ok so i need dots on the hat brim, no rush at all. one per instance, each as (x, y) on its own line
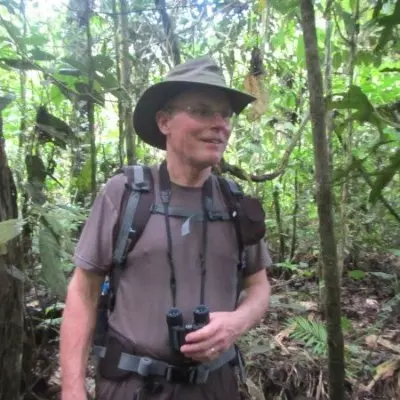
(155, 97)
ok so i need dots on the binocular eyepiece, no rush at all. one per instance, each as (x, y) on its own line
(177, 330)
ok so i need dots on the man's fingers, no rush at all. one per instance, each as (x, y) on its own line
(200, 335)
(198, 347)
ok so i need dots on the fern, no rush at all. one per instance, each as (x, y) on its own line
(311, 333)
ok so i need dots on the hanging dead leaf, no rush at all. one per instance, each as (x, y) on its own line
(254, 85)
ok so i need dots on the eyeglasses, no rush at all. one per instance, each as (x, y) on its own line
(202, 111)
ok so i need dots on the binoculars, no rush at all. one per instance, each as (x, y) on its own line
(177, 330)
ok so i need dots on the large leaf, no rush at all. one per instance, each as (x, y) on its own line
(50, 255)
(41, 55)
(388, 22)
(11, 5)
(102, 63)
(24, 65)
(385, 177)
(5, 101)
(9, 229)
(355, 98)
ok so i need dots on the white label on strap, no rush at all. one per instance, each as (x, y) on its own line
(185, 229)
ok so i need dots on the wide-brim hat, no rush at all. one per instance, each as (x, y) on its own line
(202, 72)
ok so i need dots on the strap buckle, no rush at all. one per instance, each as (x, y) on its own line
(192, 375)
(215, 215)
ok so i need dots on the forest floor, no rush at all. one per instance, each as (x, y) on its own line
(286, 353)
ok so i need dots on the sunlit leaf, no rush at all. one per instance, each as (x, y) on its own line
(11, 5)
(356, 274)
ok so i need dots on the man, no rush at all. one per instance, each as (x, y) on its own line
(175, 263)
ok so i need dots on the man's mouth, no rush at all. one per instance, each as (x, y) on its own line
(212, 140)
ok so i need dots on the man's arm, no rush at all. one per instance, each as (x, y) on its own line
(77, 327)
(254, 303)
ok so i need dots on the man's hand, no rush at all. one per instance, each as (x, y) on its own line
(217, 336)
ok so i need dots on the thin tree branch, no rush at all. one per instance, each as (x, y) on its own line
(169, 33)
(239, 173)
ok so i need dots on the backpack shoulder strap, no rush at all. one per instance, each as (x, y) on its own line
(135, 210)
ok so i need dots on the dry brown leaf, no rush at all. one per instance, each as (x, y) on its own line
(385, 370)
(284, 334)
(254, 391)
(372, 341)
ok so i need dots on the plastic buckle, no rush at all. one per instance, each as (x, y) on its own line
(141, 186)
(199, 374)
(215, 216)
(175, 374)
(144, 366)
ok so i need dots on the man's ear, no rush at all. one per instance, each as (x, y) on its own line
(162, 119)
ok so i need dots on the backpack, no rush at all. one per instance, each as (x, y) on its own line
(138, 204)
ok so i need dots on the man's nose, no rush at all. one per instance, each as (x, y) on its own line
(221, 121)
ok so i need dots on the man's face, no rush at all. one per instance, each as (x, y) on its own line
(197, 126)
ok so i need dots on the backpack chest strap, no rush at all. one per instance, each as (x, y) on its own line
(180, 212)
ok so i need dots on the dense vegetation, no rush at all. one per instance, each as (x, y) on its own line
(70, 75)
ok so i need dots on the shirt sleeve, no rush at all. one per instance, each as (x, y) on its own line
(257, 257)
(95, 246)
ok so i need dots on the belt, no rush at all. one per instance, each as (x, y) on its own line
(147, 366)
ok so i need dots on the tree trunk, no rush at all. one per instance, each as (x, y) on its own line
(126, 69)
(91, 133)
(121, 136)
(295, 211)
(172, 40)
(275, 195)
(336, 365)
(344, 241)
(11, 290)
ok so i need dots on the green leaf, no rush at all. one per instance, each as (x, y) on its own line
(337, 59)
(390, 70)
(41, 55)
(9, 229)
(36, 39)
(6, 100)
(49, 250)
(12, 30)
(356, 274)
(355, 98)
(396, 252)
(76, 64)
(11, 6)
(23, 65)
(284, 6)
(385, 177)
(102, 63)
(383, 275)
